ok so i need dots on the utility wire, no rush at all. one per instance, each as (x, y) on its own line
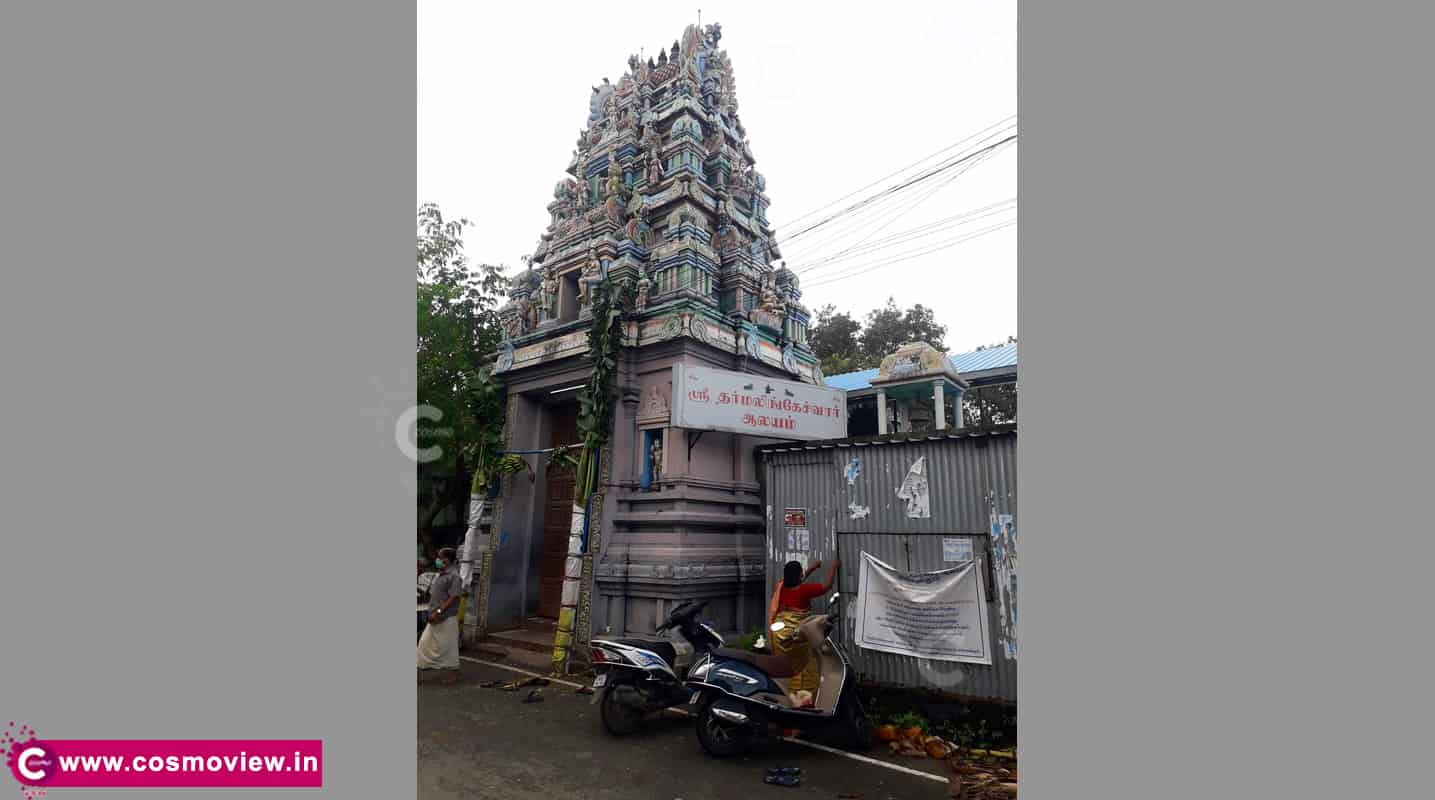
(908, 256)
(874, 202)
(898, 213)
(922, 160)
(901, 186)
(915, 234)
(887, 216)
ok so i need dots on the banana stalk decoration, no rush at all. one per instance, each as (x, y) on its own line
(483, 477)
(595, 422)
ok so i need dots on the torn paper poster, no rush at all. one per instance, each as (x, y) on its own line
(914, 491)
(957, 550)
(854, 468)
(858, 512)
(798, 539)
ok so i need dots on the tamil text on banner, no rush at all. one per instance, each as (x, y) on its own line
(706, 399)
(935, 615)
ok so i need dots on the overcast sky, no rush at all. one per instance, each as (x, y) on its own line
(831, 102)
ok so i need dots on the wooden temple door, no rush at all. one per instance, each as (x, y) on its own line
(557, 516)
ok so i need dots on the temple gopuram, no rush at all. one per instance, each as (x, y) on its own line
(661, 189)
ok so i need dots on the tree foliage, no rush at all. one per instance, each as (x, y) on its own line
(458, 330)
(834, 339)
(989, 405)
(842, 344)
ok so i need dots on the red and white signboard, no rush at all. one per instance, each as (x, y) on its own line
(706, 399)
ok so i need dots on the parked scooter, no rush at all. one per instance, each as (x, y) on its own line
(638, 677)
(741, 698)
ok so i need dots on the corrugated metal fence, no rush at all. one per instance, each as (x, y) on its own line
(847, 493)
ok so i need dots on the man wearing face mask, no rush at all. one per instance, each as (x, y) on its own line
(438, 646)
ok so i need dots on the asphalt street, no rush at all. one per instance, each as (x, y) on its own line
(487, 743)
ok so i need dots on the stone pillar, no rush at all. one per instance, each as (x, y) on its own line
(941, 401)
(881, 411)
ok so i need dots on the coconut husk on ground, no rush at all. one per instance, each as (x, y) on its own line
(976, 780)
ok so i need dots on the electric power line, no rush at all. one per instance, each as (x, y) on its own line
(863, 269)
(901, 186)
(854, 225)
(898, 213)
(915, 234)
(924, 159)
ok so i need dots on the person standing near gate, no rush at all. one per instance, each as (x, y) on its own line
(792, 605)
(438, 646)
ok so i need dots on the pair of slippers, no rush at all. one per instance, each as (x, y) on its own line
(784, 776)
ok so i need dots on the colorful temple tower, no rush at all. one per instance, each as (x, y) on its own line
(662, 190)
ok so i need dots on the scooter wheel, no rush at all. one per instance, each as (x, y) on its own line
(720, 739)
(619, 718)
(859, 728)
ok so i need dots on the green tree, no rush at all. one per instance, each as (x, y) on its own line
(842, 344)
(889, 327)
(458, 327)
(833, 338)
(989, 405)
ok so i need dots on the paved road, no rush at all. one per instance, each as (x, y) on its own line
(482, 743)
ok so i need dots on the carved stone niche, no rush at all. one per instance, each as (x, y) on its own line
(653, 409)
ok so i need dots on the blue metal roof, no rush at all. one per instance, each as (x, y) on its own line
(852, 381)
(975, 361)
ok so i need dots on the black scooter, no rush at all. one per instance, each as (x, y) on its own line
(741, 698)
(637, 677)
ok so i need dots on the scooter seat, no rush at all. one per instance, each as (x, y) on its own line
(775, 666)
(659, 647)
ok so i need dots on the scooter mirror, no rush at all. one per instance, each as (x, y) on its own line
(777, 626)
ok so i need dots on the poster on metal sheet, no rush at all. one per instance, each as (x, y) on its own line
(706, 399)
(938, 615)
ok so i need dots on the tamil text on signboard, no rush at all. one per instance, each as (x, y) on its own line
(736, 402)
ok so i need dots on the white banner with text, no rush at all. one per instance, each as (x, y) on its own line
(935, 615)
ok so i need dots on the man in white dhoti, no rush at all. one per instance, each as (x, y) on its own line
(438, 646)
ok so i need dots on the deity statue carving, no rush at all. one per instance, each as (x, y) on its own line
(638, 229)
(644, 286)
(598, 100)
(713, 35)
(590, 276)
(616, 203)
(548, 296)
(655, 454)
(692, 41)
(771, 301)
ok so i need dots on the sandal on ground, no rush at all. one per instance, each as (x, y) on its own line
(785, 771)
